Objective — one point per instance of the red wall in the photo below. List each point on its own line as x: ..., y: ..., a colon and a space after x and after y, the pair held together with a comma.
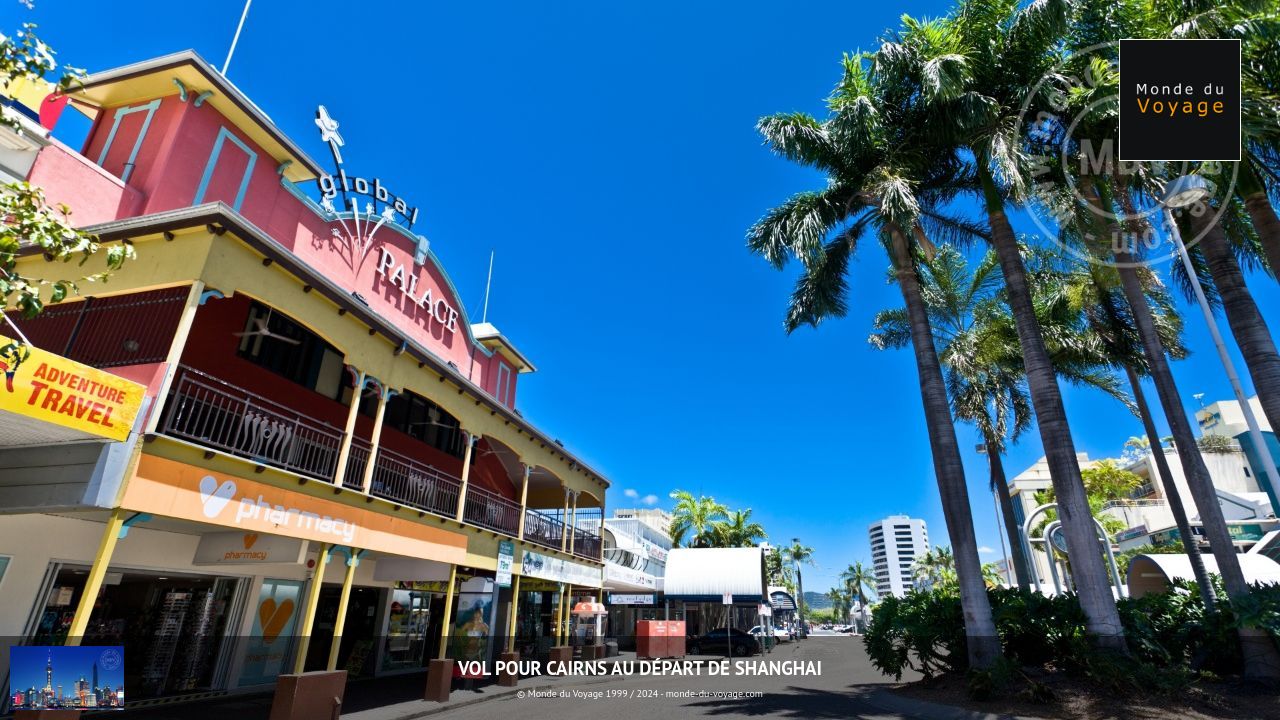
x: 168, y: 170
x: 211, y: 348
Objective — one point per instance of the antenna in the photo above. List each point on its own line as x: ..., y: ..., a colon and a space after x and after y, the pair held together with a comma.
x: 484, y: 316
x: 236, y: 38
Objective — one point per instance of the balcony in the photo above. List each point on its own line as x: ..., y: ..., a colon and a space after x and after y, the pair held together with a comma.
x: 403, y: 480
x: 491, y: 511
x: 543, y: 529
x: 216, y: 414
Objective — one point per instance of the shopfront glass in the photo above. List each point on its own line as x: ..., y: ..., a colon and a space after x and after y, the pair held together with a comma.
x: 172, y: 625
x: 408, y: 621
x: 275, y: 614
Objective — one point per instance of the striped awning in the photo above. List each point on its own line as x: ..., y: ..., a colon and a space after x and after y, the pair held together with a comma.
x: 781, y: 600
x: 708, y: 574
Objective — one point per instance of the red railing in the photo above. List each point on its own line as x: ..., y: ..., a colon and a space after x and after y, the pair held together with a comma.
x: 491, y: 511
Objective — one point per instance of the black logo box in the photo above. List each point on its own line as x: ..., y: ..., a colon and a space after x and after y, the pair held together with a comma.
x: 1190, y: 65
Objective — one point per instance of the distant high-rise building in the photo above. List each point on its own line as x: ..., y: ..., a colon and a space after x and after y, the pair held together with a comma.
x: 896, y: 542
x: 656, y: 518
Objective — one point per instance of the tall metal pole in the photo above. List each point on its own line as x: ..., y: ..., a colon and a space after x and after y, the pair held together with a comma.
x: 236, y: 38
x: 1255, y: 432
x: 488, y: 283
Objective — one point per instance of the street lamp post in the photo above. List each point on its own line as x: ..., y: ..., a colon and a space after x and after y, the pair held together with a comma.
x: 1184, y: 192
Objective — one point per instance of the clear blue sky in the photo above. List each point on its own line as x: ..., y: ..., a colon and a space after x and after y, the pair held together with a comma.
x: 608, y: 154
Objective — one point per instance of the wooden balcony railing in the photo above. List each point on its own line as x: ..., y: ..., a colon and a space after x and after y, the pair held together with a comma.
x: 491, y: 511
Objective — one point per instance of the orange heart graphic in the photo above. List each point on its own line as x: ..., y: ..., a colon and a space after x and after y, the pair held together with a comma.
x: 250, y: 539
x: 273, y: 618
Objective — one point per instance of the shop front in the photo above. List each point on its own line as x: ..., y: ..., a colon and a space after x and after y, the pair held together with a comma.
x: 206, y: 578
x: 174, y: 624
x: 549, y: 587
x: 717, y: 587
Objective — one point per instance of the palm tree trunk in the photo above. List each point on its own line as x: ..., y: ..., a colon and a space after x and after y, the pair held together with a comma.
x: 1091, y: 578
x: 1000, y: 486
x: 1256, y: 202
x: 1265, y: 222
x: 980, y: 629
x: 1247, y: 324
x: 1261, y: 659
x: 1171, y: 494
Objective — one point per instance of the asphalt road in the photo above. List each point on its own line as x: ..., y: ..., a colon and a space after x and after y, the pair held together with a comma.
x: 839, y: 692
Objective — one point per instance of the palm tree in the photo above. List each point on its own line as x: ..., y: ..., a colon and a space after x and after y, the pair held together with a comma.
x: 973, y: 71
x: 1103, y: 191
x: 858, y: 581
x: 935, y: 570
x: 798, y: 554
x: 980, y: 351
x: 840, y: 603
x: 878, y: 178
x: 1115, y: 319
x: 1257, y: 26
x: 737, y: 531
x: 695, y: 518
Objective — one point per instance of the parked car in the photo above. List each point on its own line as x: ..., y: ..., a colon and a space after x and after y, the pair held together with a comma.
x: 779, y: 634
x: 720, y: 640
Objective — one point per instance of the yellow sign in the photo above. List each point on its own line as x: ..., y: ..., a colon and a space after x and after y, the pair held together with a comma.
x: 173, y: 489
x: 48, y: 387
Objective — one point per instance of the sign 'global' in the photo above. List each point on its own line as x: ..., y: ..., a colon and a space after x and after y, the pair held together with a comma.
x: 380, y: 206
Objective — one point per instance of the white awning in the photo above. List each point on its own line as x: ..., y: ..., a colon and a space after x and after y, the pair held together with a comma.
x: 1154, y: 573
x: 707, y: 574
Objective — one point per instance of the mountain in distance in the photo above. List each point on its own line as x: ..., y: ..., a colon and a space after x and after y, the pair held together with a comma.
x: 817, y: 600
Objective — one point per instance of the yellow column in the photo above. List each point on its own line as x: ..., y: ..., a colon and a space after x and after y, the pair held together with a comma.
x: 93, y: 583
x: 564, y: 524
x: 560, y: 617
x: 524, y: 501
x: 309, y: 612
x: 466, y: 473
x: 448, y: 611
x: 374, y: 439
x: 344, y: 450
x: 511, y: 614
x: 176, y: 346
x: 573, y: 522
x: 353, y: 559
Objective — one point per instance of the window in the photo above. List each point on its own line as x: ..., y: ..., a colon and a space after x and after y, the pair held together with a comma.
x: 425, y: 421
x: 290, y: 350
x: 504, y: 384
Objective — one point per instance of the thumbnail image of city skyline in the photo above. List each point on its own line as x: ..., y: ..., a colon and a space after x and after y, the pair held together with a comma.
x: 66, y: 676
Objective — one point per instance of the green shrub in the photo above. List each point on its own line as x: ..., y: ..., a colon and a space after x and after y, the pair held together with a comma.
x: 1170, y: 636
x: 923, y: 631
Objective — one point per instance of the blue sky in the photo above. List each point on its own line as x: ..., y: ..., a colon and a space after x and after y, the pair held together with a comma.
x: 608, y: 155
